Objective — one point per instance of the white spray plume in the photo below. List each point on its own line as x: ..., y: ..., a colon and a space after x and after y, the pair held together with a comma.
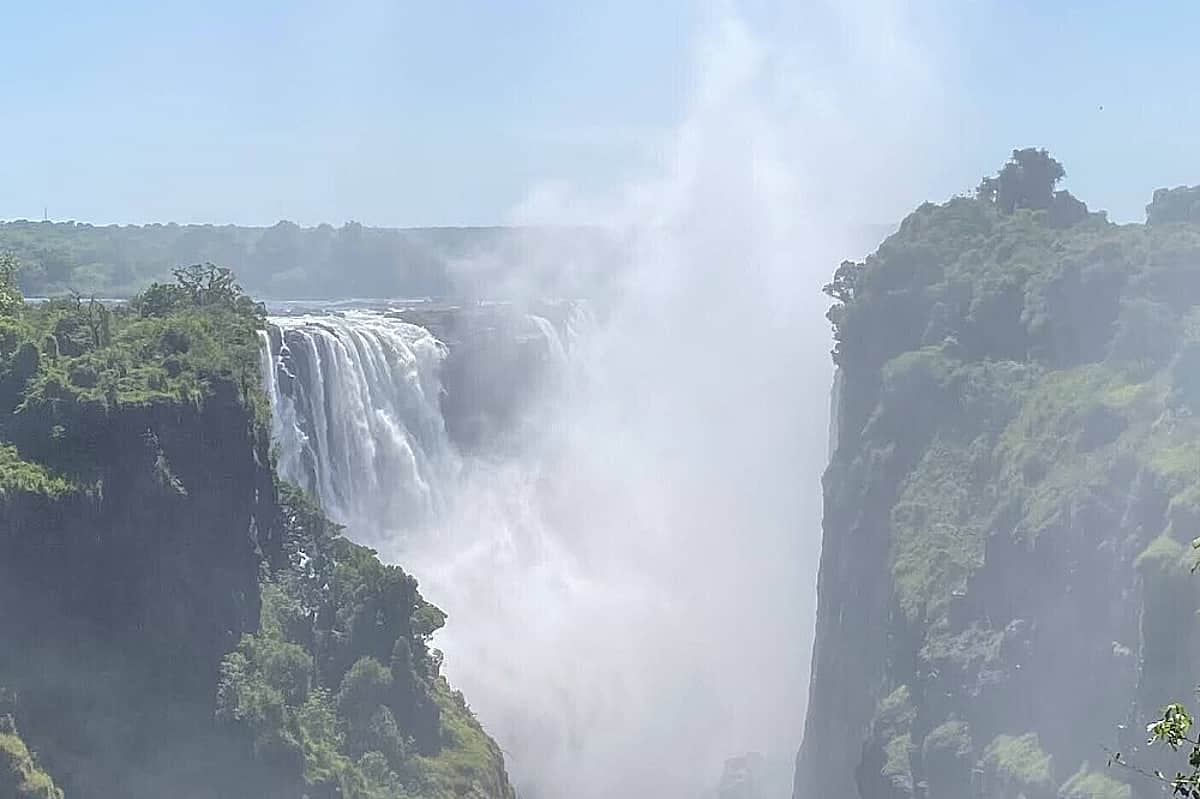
x: 632, y: 602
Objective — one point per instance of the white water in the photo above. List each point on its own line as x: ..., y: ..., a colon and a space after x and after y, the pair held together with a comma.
x: 630, y: 597
x: 362, y: 429
x: 597, y: 616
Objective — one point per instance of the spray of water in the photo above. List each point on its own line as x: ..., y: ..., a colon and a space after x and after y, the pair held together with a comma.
x: 631, y: 596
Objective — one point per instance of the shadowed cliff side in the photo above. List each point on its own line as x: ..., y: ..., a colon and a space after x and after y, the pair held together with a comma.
x: 1010, y: 499
x: 176, y: 620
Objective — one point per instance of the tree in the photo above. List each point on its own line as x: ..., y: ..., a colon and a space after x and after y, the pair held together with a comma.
x: 1173, y: 728
x: 845, y: 281
x: 1026, y: 181
x: 198, y: 286
x: 208, y: 284
x: 10, y: 295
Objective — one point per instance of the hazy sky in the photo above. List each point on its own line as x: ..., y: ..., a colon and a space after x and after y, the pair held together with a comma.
x: 398, y: 113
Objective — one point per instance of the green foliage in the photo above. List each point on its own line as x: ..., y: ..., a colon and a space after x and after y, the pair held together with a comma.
x: 895, y: 713
x: 894, y: 717
x: 20, y: 775
x: 1088, y: 784
x: 10, y: 296
x: 1173, y: 728
x: 284, y: 260
x: 845, y: 282
x: 334, y: 692
x: 897, y: 764
x: 1163, y: 557
x: 19, y: 476
x: 66, y: 365
x: 951, y: 738
x: 974, y: 648
x: 1026, y: 181
x: 198, y: 286
x: 339, y: 686
x: 937, y: 545
x: 1019, y: 385
x: 1145, y: 336
x: 1019, y: 760
x: 1064, y: 441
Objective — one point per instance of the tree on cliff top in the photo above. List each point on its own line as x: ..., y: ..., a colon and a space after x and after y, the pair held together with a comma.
x: 204, y: 286
x: 1026, y: 181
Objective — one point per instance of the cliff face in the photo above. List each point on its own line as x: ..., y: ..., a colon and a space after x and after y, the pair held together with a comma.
x: 1015, y: 481
x: 176, y: 622
x: 120, y: 602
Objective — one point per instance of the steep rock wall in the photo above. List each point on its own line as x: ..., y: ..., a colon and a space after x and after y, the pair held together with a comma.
x: 174, y: 620
x: 1004, y: 590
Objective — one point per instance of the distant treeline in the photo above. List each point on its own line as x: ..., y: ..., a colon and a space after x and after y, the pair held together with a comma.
x: 289, y: 261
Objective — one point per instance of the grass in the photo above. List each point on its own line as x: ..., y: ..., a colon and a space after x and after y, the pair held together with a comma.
x: 469, y: 760
x: 938, y: 543
x: 1020, y: 760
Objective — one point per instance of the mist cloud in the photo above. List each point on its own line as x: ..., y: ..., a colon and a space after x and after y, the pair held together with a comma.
x: 632, y: 601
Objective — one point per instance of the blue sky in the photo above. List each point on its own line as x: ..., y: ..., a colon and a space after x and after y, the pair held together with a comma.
x: 399, y: 113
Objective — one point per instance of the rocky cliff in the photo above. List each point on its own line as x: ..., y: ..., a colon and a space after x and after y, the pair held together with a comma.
x: 175, y: 620
x: 1004, y: 587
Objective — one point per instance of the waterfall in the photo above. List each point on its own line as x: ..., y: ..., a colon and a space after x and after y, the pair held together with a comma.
x: 356, y: 416
x: 553, y: 342
x: 601, y: 591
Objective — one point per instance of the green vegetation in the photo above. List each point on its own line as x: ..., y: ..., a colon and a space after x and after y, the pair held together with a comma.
x: 1016, y: 476
x: 20, y: 775
x: 937, y: 545
x: 896, y: 712
x: 1163, y: 557
x: 953, y: 737
x: 68, y: 365
x: 286, y: 261
x: 1028, y: 181
x: 174, y: 616
x: 893, y: 723
x: 282, y: 261
x: 339, y: 677
x: 1019, y: 357
x: 1020, y: 761
x: 18, y: 476
x: 897, y: 765
x: 1089, y: 784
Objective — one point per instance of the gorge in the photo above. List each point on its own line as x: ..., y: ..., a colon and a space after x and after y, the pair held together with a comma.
x: 561, y: 400
x: 461, y: 456
x: 1008, y: 505
x: 1005, y: 598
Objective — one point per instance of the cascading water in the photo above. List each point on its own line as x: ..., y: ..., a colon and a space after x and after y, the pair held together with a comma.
x: 356, y: 416
x: 630, y: 586
x: 579, y: 629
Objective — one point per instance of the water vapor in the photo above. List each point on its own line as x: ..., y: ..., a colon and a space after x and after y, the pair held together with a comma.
x: 631, y: 600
